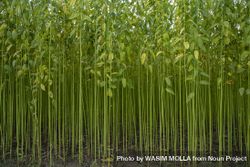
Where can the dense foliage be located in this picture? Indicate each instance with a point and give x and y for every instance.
(103, 76)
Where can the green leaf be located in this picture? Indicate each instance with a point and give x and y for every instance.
(111, 56)
(72, 2)
(14, 34)
(2, 29)
(170, 91)
(203, 82)
(244, 55)
(204, 74)
(101, 83)
(167, 61)
(124, 82)
(226, 24)
(1, 87)
(242, 90)
(143, 58)
(50, 94)
(50, 82)
(9, 47)
(219, 81)
(7, 68)
(248, 91)
(227, 41)
(201, 45)
(168, 81)
(42, 87)
(190, 97)
(108, 159)
(186, 45)
(177, 58)
(189, 78)
(196, 54)
(113, 86)
(191, 68)
(19, 73)
(240, 69)
(150, 69)
(109, 92)
(158, 53)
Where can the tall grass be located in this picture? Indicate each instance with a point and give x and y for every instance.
(105, 77)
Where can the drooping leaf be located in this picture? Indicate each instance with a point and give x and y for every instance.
(169, 90)
(158, 53)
